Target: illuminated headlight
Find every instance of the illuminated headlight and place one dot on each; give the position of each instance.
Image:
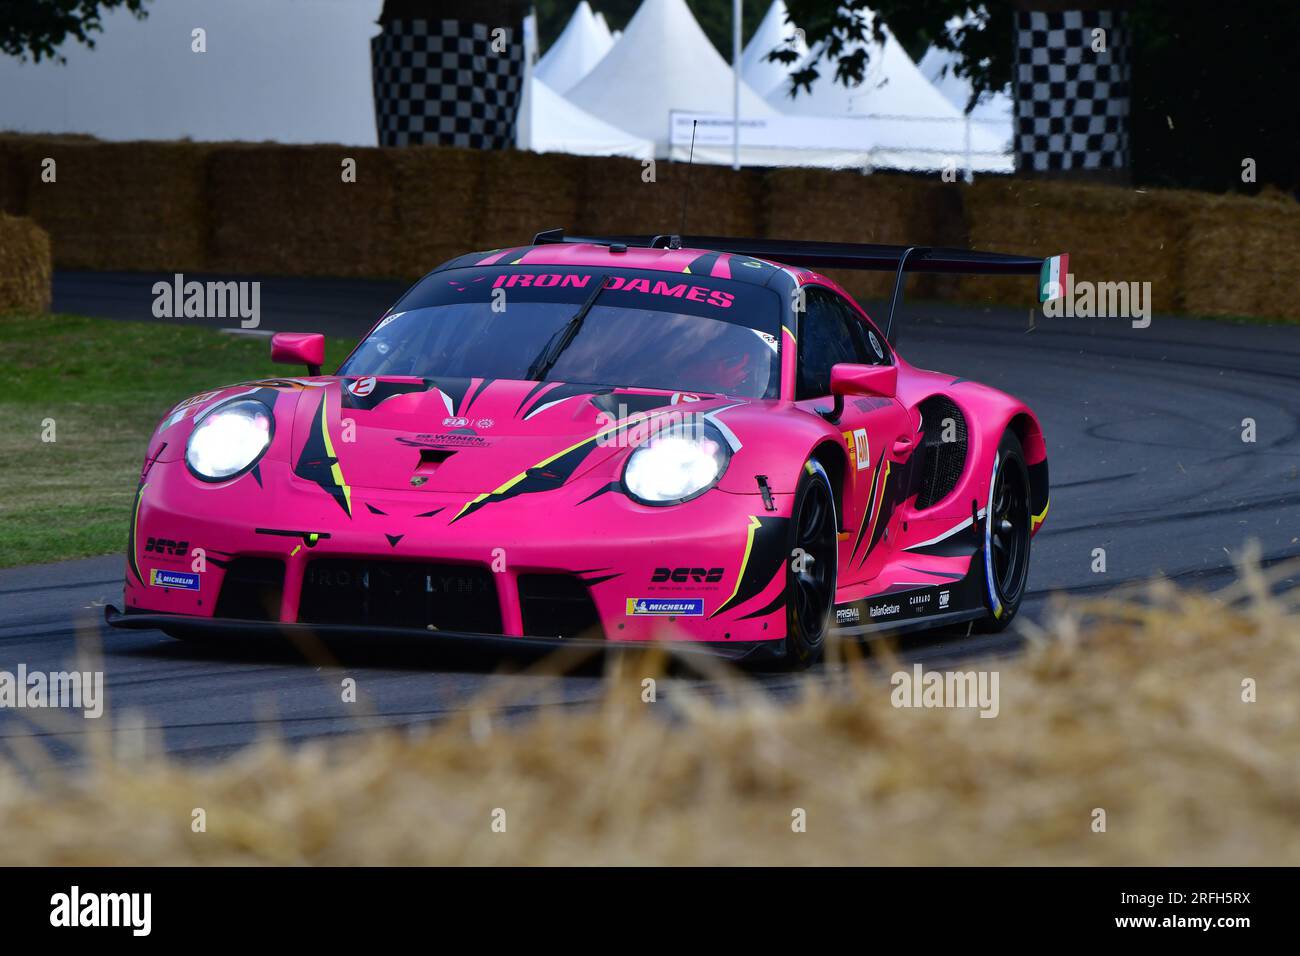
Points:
(677, 464)
(229, 440)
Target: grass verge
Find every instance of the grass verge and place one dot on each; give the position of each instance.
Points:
(105, 385)
(1146, 719)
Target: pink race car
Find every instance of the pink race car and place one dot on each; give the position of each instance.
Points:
(616, 440)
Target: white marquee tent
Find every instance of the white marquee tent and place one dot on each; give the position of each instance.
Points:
(663, 62)
(994, 113)
(913, 125)
(580, 46)
(764, 75)
(557, 126)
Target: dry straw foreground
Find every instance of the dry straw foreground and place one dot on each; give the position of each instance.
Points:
(1133, 705)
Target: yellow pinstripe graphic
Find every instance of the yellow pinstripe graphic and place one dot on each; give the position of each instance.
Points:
(335, 470)
(135, 533)
(541, 464)
(754, 525)
(875, 508)
(1036, 520)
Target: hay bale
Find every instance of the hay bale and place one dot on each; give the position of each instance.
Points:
(134, 206)
(437, 205)
(522, 194)
(14, 166)
(845, 206)
(25, 267)
(1112, 235)
(1240, 257)
(288, 210)
(619, 197)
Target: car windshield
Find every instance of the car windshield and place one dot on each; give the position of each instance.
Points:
(645, 329)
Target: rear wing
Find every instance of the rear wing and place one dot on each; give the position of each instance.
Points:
(847, 255)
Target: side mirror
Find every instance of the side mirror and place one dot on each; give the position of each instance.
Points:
(879, 380)
(299, 348)
(850, 379)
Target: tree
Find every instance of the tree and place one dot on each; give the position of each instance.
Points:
(37, 28)
(834, 31)
(1212, 82)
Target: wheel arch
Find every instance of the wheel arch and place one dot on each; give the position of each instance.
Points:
(832, 457)
(1030, 434)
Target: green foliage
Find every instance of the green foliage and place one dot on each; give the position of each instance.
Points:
(37, 28)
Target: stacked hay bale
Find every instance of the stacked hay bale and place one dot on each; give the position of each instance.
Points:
(1111, 234)
(847, 207)
(269, 209)
(302, 210)
(1240, 257)
(625, 196)
(139, 206)
(25, 267)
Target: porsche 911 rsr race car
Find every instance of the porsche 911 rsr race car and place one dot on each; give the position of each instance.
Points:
(619, 440)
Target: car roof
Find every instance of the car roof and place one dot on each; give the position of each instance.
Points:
(688, 261)
(682, 261)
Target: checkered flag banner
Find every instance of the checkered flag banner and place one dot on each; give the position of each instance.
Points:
(439, 82)
(1072, 103)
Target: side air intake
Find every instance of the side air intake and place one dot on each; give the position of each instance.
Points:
(944, 461)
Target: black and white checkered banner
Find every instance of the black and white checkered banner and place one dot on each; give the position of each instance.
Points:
(440, 82)
(1072, 99)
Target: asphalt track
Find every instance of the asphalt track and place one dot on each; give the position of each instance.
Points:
(1144, 428)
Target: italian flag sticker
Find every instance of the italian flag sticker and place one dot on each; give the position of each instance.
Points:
(1051, 280)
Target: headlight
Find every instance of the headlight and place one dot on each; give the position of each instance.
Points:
(229, 440)
(677, 464)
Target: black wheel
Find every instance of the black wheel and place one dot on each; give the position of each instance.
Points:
(1006, 536)
(811, 567)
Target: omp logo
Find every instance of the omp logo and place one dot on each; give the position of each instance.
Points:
(687, 575)
(943, 600)
(655, 607)
(74, 909)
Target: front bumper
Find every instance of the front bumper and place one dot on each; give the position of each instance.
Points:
(717, 560)
(301, 635)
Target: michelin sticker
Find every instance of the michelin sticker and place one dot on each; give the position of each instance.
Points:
(665, 607)
(183, 580)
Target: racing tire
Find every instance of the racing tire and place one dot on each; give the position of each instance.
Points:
(1005, 551)
(810, 584)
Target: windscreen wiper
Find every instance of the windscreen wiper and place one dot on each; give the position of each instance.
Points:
(563, 338)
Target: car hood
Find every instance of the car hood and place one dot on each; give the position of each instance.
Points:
(465, 435)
